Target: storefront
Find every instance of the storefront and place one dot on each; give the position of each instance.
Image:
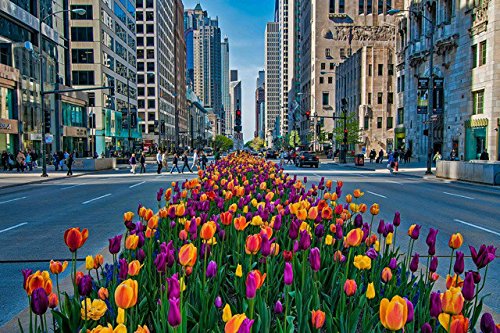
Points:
(475, 138)
(400, 136)
(75, 131)
(9, 125)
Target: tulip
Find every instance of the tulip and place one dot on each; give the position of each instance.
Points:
(239, 271)
(226, 313)
(393, 263)
(265, 247)
(103, 293)
(319, 231)
(74, 238)
(456, 241)
(114, 244)
(358, 221)
(414, 231)
(452, 301)
(362, 262)
(354, 237)
(134, 267)
(454, 281)
(128, 216)
(253, 244)
(142, 329)
(252, 284)
(208, 230)
(381, 227)
(305, 240)
(457, 324)
(174, 287)
(161, 262)
(394, 313)
(329, 240)
(386, 275)
(131, 242)
(374, 209)
(211, 269)
(218, 302)
(468, 290)
(414, 263)
(233, 325)
(371, 253)
(278, 307)
(484, 256)
(436, 306)
(350, 287)
(426, 328)
(433, 265)
(315, 259)
(370, 291)
(431, 241)
(56, 267)
(288, 274)
(53, 301)
(397, 219)
(338, 256)
(122, 274)
(339, 232)
(188, 255)
(488, 324)
(39, 301)
(411, 311)
(126, 294)
(85, 285)
(318, 318)
(246, 326)
(174, 313)
(459, 266)
(240, 223)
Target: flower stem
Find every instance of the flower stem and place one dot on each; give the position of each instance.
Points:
(451, 261)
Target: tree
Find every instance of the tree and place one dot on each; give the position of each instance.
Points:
(257, 143)
(353, 130)
(294, 139)
(223, 143)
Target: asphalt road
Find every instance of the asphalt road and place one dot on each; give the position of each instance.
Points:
(34, 217)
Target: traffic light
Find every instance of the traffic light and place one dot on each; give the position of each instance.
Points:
(92, 120)
(237, 122)
(346, 133)
(46, 119)
(426, 132)
(308, 114)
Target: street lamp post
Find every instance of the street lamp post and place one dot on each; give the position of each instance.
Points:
(79, 11)
(430, 105)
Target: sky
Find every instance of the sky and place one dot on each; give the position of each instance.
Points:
(244, 22)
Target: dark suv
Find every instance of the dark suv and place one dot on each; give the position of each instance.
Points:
(271, 154)
(307, 158)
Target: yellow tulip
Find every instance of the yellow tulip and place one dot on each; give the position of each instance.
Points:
(226, 313)
(362, 262)
(394, 313)
(89, 263)
(95, 309)
(370, 291)
(120, 317)
(329, 240)
(239, 271)
(388, 239)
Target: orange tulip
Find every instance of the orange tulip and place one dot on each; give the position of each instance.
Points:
(148, 214)
(354, 237)
(56, 267)
(318, 318)
(183, 235)
(233, 324)
(302, 214)
(458, 323)
(253, 243)
(348, 198)
(145, 329)
(98, 261)
(128, 216)
(153, 222)
(142, 212)
(394, 313)
(454, 281)
(180, 210)
(103, 293)
(350, 287)
(163, 213)
(375, 209)
(208, 230)
(126, 294)
(187, 255)
(168, 194)
(149, 232)
(53, 301)
(452, 301)
(386, 275)
(38, 280)
(226, 218)
(134, 267)
(327, 213)
(74, 238)
(362, 208)
(313, 213)
(260, 278)
(328, 184)
(357, 193)
(131, 242)
(456, 241)
(240, 223)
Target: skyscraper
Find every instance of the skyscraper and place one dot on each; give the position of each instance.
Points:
(272, 80)
(235, 96)
(260, 105)
(226, 101)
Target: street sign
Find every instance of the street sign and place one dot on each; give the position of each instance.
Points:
(422, 95)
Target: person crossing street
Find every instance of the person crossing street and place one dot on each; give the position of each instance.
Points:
(175, 160)
(185, 159)
(159, 159)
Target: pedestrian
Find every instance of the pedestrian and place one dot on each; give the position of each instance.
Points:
(185, 159)
(142, 160)
(159, 160)
(437, 157)
(164, 159)
(69, 164)
(204, 161)
(381, 156)
(133, 163)
(395, 158)
(484, 156)
(175, 160)
(20, 159)
(5, 160)
(55, 161)
(408, 156)
(373, 154)
(29, 162)
(196, 162)
(217, 154)
(453, 155)
(390, 162)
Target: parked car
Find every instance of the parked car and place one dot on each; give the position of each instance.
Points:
(209, 151)
(307, 158)
(271, 154)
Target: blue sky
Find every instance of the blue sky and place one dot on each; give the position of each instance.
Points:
(244, 22)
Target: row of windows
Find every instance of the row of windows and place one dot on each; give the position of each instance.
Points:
(380, 98)
(150, 28)
(389, 123)
(364, 7)
(86, 16)
(479, 54)
(150, 16)
(380, 69)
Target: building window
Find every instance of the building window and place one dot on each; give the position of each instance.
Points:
(370, 70)
(140, 104)
(369, 7)
(366, 122)
(151, 66)
(140, 28)
(402, 83)
(379, 122)
(389, 123)
(390, 69)
(380, 7)
(332, 66)
(151, 91)
(401, 116)
(342, 53)
(330, 80)
(474, 55)
(361, 9)
(150, 54)
(86, 16)
(140, 78)
(321, 80)
(151, 78)
(390, 98)
(482, 53)
(380, 97)
(478, 100)
(139, 16)
(380, 69)
(82, 34)
(150, 28)
(151, 104)
(369, 98)
(140, 91)
(323, 66)
(150, 16)
(140, 66)
(332, 6)
(341, 6)
(326, 98)
(82, 56)
(328, 53)
(150, 41)
(83, 78)
(149, 3)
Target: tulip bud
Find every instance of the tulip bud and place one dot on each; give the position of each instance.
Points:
(411, 311)
(288, 274)
(89, 263)
(397, 219)
(459, 266)
(426, 328)
(174, 287)
(386, 275)
(468, 289)
(431, 241)
(488, 324)
(53, 301)
(305, 240)
(435, 302)
(381, 227)
(433, 265)
(85, 285)
(288, 256)
(239, 271)
(218, 302)
(371, 253)
(370, 291)
(174, 313)
(414, 231)
(358, 221)
(350, 287)
(393, 263)
(315, 259)
(278, 307)
(39, 301)
(211, 269)
(103, 293)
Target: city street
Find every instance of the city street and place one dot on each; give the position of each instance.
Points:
(34, 217)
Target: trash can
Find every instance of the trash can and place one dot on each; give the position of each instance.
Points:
(359, 160)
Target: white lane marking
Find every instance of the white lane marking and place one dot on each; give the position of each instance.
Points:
(132, 186)
(478, 227)
(65, 188)
(316, 175)
(392, 181)
(102, 196)
(21, 198)
(360, 175)
(378, 195)
(13, 227)
(458, 195)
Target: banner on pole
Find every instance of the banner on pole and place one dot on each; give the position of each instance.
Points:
(422, 95)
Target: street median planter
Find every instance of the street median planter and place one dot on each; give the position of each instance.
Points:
(476, 171)
(93, 164)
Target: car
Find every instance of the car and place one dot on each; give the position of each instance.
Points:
(307, 158)
(271, 154)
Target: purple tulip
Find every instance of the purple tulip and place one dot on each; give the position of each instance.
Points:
(476, 276)
(339, 233)
(39, 301)
(338, 191)
(411, 311)
(218, 302)
(246, 326)
(389, 228)
(293, 231)
(251, 285)
(484, 256)
(174, 289)
(305, 180)
(277, 222)
(278, 307)
(305, 240)
(358, 221)
(288, 274)
(381, 227)
(114, 244)
(488, 324)
(129, 225)
(123, 272)
(431, 241)
(315, 259)
(414, 263)
(320, 230)
(159, 194)
(161, 262)
(26, 274)
(174, 313)
(397, 219)
(371, 253)
(468, 289)
(366, 232)
(265, 247)
(426, 328)
(139, 206)
(415, 233)
(459, 266)
(434, 264)
(85, 285)
(393, 263)
(140, 255)
(211, 269)
(435, 302)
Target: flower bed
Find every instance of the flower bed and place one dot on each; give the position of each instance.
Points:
(245, 247)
